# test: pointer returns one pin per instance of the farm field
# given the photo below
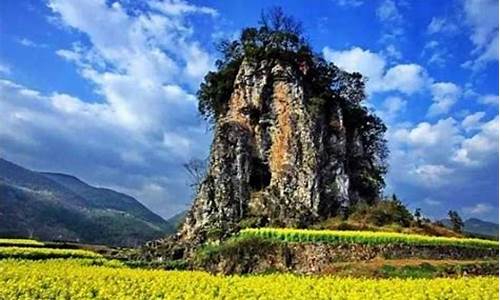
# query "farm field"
(78, 279)
(362, 237)
(20, 242)
(46, 273)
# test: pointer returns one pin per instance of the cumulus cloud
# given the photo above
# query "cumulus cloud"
(449, 161)
(91, 142)
(472, 122)
(405, 78)
(489, 99)
(444, 96)
(369, 64)
(431, 175)
(434, 141)
(482, 17)
(144, 65)
(478, 210)
(391, 108)
(478, 149)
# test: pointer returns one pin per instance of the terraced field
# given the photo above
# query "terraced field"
(362, 237)
(69, 279)
(47, 273)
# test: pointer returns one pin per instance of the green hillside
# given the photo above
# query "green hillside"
(52, 206)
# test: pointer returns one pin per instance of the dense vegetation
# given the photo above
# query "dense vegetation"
(74, 279)
(327, 88)
(385, 212)
(361, 237)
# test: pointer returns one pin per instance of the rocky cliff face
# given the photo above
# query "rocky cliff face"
(275, 158)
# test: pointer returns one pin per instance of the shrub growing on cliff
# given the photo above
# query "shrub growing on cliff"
(385, 212)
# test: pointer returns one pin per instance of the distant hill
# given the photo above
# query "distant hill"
(52, 206)
(177, 219)
(477, 227)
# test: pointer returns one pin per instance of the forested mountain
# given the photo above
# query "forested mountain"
(52, 206)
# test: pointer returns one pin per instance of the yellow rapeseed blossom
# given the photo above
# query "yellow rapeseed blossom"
(20, 242)
(72, 279)
(362, 237)
(45, 253)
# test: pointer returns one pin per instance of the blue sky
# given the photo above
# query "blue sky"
(105, 90)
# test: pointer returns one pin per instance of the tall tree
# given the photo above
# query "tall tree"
(457, 223)
(195, 168)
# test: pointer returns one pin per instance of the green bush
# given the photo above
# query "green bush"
(384, 212)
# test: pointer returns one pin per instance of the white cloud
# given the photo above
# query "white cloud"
(478, 209)
(369, 64)
(444, 96)
(432, 202)
(391, 18)
(179, 144)
(489, 99)
(391, 108)
(427, 149)
(425, 136)
(391, 51)
(473, 121)
(406, 78)
(441, 25)
(482, 17)
(179, 7)
(29, 43)
(431, 175)
(388, 12)
(431, 44)
(97, 145)
(443, 161)
(349, 3)
(26, 42)
(4, 69)
(479, 149)
(144, 65)
(137, 61)
(437, 54)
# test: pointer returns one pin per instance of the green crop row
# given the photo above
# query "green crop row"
(361, 237)
(20, 242)
(44, 253)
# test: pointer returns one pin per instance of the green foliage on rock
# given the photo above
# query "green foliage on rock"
(384, 212)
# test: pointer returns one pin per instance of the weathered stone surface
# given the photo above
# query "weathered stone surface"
(304, 258)
(272, 157)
